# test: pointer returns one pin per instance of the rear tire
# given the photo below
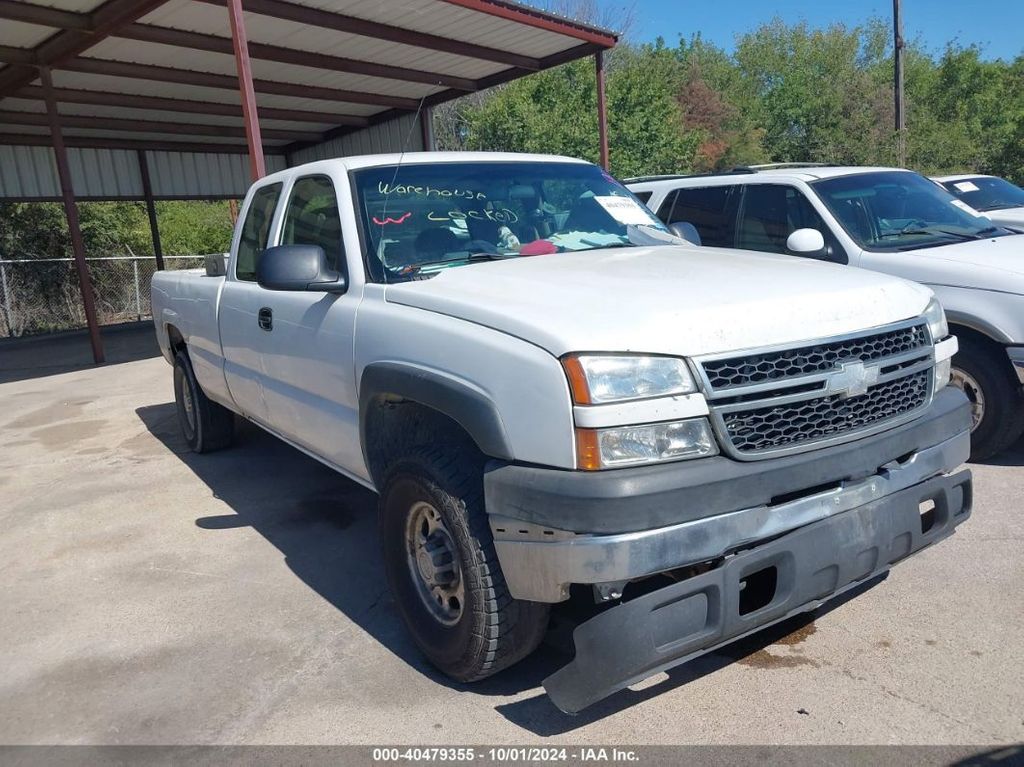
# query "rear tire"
(984, 374)
(443, 570)
(205, 425)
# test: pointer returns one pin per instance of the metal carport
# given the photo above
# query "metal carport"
(179, 99)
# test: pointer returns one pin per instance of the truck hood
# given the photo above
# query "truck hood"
(669, 299)
(995, 263)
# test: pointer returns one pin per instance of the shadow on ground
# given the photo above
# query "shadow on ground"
(46, 355)
(325, 526)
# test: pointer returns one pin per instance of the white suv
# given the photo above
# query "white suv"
(888, 220)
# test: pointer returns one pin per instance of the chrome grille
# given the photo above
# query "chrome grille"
(776, 365)
(767, 428)
(771, 402)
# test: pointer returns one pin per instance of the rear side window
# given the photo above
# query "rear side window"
(707, 209)
(643, 196)
(255, 230)
(312, 218)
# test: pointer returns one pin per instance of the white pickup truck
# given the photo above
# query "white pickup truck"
(555, 396)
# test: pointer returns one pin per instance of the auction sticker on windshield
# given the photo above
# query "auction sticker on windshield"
(966, 208)
(625, 210)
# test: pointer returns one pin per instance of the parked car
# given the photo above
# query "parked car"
(887, 220)
(996, 197)
(553, 395)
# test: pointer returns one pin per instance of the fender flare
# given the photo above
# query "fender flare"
(467, 405)
(978, 325)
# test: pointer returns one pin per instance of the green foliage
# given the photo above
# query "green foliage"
(789, 92)
(190, 227)
(39, 229)
(553, 111)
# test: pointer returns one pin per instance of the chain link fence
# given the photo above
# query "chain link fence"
(42, 295)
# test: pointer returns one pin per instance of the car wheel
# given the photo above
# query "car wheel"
(205, 425)
(997, 409)
(443, 570)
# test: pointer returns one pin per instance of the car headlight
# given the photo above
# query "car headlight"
(935, 316)
(596, 379)
(649, 443)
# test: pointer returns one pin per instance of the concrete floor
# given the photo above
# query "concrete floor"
(154, 596)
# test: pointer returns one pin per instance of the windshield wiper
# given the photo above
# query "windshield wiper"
(469, 258)
(609, 246)
(931, 230)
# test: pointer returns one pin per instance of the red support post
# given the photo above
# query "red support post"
(71, 212)
(427, 128)
(602, 109)
(147, 192)
(240, 41)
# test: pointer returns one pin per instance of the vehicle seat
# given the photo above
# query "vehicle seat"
(435, 242)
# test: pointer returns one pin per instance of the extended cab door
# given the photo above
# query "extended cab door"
(305, 338)
(240, 302)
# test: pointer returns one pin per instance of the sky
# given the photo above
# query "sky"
(996, 25)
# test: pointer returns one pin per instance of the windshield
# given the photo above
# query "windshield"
(421, 219)
(898, 210)
(987, 192)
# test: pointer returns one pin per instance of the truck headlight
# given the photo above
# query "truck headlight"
(935, 316)
(596, 379)
(649, 443)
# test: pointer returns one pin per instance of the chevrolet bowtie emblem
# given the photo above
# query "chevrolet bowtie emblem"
(852, 379)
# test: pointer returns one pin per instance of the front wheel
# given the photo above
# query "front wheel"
(985, 375)
(443, 570)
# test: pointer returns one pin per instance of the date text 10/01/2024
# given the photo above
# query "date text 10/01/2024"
(504, 754)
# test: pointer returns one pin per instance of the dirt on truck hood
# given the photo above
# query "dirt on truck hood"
(668, 300)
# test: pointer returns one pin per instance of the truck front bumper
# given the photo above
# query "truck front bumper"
(715, 506)
(793, 574)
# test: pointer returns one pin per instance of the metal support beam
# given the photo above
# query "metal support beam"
(602, 110)
(240, 41)
(147, 192)
(68, 43)
(155, 145)
(95, 66)
(304, 14)
(99, 122)
(201, 41)
(163, 104)
(71, 211)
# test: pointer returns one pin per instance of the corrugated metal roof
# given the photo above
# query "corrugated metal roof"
(416, 52)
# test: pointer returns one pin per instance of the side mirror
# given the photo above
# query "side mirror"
(806, 242)
(684, 230)
(298, 267)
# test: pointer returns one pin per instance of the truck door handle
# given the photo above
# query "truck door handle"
(266, 318)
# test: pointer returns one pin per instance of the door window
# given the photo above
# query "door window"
(255, 230)
(772, 212)
(312, 218)
(707, 208)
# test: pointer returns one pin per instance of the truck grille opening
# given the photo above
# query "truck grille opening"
(767, 428)
(807, 360)
(771, 402)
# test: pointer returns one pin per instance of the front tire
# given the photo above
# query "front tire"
(443, 570)
(984, 374)
(205, 425)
